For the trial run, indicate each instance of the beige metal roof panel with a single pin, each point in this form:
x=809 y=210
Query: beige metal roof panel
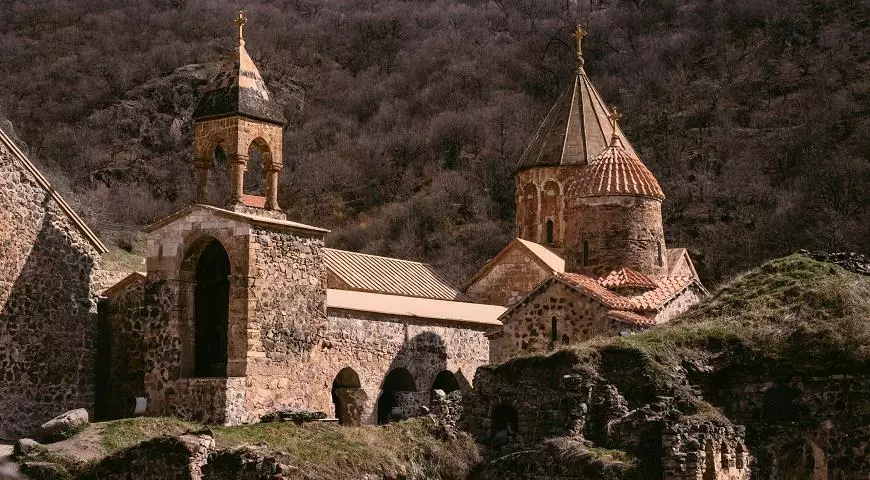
x=546 y=255
x=446 y=310
x=387 y=275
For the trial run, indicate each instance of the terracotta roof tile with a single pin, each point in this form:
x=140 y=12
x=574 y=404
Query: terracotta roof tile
x=615 y=171
x=371 y=273
x=631 y=317
x=591 y=286
x=651 y=300
x=656 y=299
x=627 y=277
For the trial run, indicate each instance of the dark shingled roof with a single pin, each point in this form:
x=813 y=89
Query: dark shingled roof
x=239 y=89
x=575 y=131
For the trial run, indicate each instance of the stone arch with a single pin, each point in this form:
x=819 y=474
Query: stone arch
x=445 y=381
x=527 y=214
x=258 y=163
x=348 y=397
x=551 y=209
x=504 y=424
x=216 y=174
x=396 y=389
x=211 y=270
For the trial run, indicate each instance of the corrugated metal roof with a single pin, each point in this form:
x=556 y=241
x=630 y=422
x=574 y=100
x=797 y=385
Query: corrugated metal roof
x=426 y=308
x=372 y=273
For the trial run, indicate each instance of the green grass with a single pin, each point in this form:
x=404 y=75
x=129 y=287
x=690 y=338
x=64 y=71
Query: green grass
x=405 y=448
x=120 y=434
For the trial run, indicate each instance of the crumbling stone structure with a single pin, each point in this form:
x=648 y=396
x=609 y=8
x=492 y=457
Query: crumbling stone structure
x=48 y=302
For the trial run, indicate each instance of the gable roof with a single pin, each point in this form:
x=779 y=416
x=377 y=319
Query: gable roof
x=372 y=273
x=243 y=217
x=679 y=262
x=31 y=169
x=426 y=308
x=541 y=255
x=576 y=129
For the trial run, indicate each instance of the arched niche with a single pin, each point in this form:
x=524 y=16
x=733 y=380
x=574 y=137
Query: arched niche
x=551 y=209
x=504 y=424
x=348 y=397
x=527 y=211
x=259 y=162
x=390 y=403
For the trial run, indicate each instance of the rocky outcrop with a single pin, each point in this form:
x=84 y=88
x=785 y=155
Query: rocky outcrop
x=851 y=261
x=164 y=458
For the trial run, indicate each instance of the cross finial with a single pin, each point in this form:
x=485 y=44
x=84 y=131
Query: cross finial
x=240 y=23
x=579 y=34
x=614 y=117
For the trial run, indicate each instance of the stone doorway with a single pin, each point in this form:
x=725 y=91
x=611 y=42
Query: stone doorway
x=348 y=398
x=397 y=400
x=211 y=311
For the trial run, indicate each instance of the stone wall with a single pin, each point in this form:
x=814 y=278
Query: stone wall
x=679 y=304
x=515 y=275
x=48 y=318
x=528 y=328
x=619 y=231
x=121 y=365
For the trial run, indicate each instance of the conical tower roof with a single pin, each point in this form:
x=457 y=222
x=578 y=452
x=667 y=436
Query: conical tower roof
x=616 y=171
x=577 y=128
x=238 y=89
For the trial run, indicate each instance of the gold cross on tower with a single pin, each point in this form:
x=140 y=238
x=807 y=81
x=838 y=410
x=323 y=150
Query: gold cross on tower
x=240 y=23
x=614 y=117
x=579 y=35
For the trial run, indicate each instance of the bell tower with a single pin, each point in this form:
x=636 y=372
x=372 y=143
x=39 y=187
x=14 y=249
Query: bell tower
x=238 y=132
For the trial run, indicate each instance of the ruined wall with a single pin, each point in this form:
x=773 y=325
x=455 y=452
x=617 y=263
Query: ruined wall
x=515 y=275
x=798 y=426
x=603 y=402
x=679 y=304
x=620 y=231
x=528 y=328
x=121 y=368
x=48 y=319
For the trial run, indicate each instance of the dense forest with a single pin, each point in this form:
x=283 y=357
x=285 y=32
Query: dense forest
x=406 y=118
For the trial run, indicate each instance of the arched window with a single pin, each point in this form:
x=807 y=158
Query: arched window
x=554 y=333
x=347 y=397
x=396 y=384
x=211 y=311
x=585 y=253
x=255 y=175
x=218 y=185
x=549 y=233
x=661 y=260
x=503 y=424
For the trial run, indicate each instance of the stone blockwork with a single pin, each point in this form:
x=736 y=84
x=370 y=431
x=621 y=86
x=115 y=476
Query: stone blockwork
x=121 y=349
x=284 y=351
x=513 y=276
x=612 y=232
x=48 y=314
x=552 y=318
x=540 y=198
x=534 y=403
x=277 y=294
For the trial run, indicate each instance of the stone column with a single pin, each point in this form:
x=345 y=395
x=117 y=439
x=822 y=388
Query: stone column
x=237 y=177
x=272 y=189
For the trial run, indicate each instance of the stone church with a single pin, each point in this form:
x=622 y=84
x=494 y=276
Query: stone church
x=242 y=312
x=591 y=258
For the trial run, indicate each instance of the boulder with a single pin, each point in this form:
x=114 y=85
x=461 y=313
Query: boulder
x=24 y=446
x=64 y=425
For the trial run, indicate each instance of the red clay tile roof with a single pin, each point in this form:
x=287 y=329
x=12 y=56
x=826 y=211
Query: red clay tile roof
x=631 y=317
x=651 y=300
x=615 y=171
x=591 y=287
x=255 y=201
x=627 y=277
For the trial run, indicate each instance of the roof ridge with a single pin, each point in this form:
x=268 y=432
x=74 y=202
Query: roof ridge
x=44 y=183
x=377 y=256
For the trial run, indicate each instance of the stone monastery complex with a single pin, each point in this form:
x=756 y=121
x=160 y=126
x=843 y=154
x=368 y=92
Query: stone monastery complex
x=243 y=312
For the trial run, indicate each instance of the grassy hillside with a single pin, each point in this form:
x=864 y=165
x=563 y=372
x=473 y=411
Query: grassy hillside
x=407 y=118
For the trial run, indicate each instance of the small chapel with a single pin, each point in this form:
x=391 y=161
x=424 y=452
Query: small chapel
x=590 y=257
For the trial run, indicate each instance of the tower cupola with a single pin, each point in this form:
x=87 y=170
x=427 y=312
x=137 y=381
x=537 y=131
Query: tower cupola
x=238 y=130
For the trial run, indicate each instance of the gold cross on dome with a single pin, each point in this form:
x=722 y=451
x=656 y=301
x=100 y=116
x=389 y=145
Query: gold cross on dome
x=240 y=23
x=614 y=117
x=579 y=34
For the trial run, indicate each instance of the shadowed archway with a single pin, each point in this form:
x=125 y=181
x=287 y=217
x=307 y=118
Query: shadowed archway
x=211 y=311
x=397 y=383
x=348 y=398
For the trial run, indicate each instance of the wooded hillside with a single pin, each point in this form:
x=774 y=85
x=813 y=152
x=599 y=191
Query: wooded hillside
x=406 y=118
